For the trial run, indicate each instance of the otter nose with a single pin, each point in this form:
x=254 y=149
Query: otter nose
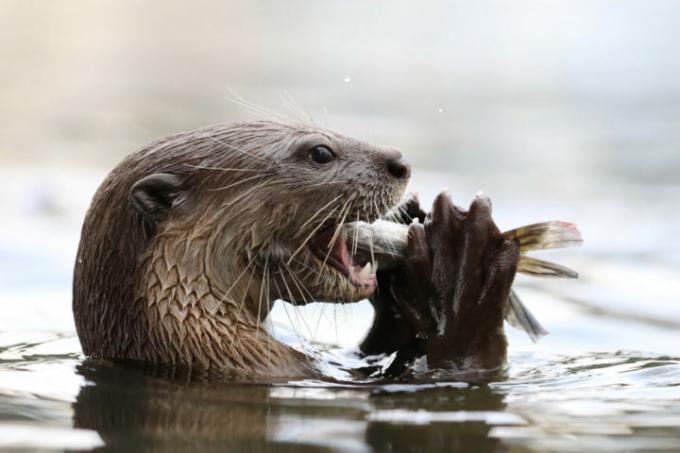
x=397 y=167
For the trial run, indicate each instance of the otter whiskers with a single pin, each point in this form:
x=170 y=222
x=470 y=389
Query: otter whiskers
x=237 y=183
x=255 y=109
x=259 y=304
x=308 y=298
x=305 y=300
x=334 y=238
x=238 y=150
x=290 y=320
x=202 y=167
x=288 y=101
x=321 y=209
x=315 y=230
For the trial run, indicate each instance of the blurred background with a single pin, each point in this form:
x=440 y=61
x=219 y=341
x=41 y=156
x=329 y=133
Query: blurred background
x=556 y=109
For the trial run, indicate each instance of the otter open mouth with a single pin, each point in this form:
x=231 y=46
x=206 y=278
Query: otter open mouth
x=359 y=271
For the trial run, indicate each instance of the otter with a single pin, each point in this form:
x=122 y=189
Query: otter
x=189 y=241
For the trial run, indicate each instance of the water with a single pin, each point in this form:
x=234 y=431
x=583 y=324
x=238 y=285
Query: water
x=558 y=110
x=606 y=378
x=549 y=402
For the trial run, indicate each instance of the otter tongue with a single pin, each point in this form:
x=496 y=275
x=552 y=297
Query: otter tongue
x=341 y=252
x=362 y=276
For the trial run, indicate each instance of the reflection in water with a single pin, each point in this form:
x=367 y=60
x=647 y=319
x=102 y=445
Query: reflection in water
x=574 y=402
x=411 y=433
x=546 y=403
x=133 y=407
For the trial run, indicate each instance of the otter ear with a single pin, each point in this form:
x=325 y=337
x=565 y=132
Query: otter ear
x=153 y=195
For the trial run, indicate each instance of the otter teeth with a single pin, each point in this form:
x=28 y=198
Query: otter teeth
x=366 y=272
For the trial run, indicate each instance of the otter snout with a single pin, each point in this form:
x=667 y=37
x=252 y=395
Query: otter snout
x=396 y=166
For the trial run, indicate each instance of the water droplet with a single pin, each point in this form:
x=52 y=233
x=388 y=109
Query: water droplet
x=347 y=79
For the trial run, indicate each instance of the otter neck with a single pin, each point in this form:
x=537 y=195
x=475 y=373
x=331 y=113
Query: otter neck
x=195 y=320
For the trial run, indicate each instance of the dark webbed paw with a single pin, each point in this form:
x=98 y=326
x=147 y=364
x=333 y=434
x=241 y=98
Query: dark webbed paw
x=473 y=270
x=394 y=325
x=448 y=300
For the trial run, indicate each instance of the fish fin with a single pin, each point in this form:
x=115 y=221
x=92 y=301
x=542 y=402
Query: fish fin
x=546 y=235
x=540 y=268
x=519 y=317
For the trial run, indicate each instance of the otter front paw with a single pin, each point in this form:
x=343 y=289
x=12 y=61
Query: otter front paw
x=473 y=268
x=448 y=299
x=399 y=300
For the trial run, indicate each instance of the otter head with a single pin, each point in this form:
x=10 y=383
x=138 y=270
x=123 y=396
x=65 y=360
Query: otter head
x=217 y=223
x=315 y=182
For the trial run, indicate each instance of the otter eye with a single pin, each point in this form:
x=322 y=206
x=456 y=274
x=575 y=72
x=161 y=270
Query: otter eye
x=321 y=155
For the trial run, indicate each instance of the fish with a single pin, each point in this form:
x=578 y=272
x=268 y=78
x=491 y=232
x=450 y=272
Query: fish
x=385 y=242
